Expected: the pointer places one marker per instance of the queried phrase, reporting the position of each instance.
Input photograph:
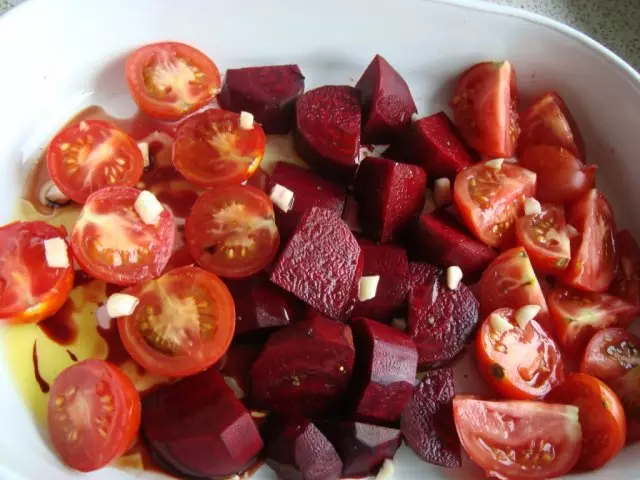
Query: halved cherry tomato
(94, 414)
(544, 237)
(611, 353)
(562, 177)
(232, 232)
(169, 80)
(627, 387)
(602, 418)
(111, 242)
(518, 361)
(30, 290)
(547, 121)
(577, 315)
(489, 200)
(518, 439)
(593, 254)
(212, 149)
(485, 108)
(90, 155)
(627, 281)
(183, 324)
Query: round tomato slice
(94, 414)
(30, 290)
(627, 388)
(518, 360)
(169, 80)
(232, 232)
(518, 439)
(611, 353)
(90, 155)
(489, 200)
(547, 121)
(601, 417)
(211, 148)
(545, 239)
(627, 281)
(593, 256)
(485, 108)
(111, 242)
(577, 315)
(183, 323)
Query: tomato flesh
(627, 281)
(610, 354)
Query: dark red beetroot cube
(362, 447)
(321, 263)
(386, 100)
(390, 262)
(305, 368)
(389, 194)
(309, 190)
(198, 427)
(386, 365)
(421, 273)
(236, 365)
(427, 422)
(327, 131)
(440, 320)
(434, 143)
(269, 93)
(299, 451)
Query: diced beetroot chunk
(309, 190)
(198, 427)
(269, 93)
(321, 263)
(389, 194)
(236, 365)
(386, 100)
(362, 447)
(327, 131)
(422, 273)
(427, 423)
(260, 180)
(386, 365)
(305, 368)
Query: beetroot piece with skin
(422, 273)
(386, 100)
(236, 365)
(427, 422)
(327, 131)
(269, 93)
(321, 264)
(386, 366)
(389, 195)
(305, 368)
(198, 427)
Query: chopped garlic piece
(258, 414)
(367, 287)
(499, 324)
(233, 385)
(571, 231)
(511, 160)
(103, 318)
(496, 163)
(386, 470)
(148, 207)
(56, 253)
(454, 277)
(532, 206)
(527, 313)
(415, 117)
(246, 121)
(399, 324)
(429, 204)
(121, 305)
(442, 192)
(144, 149)
(282, 197)
(50, 193)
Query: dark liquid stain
(117, 354)
(60, 326)
(81, 278)
(72, 355)
(44, 386)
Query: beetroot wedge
(235, 367)
(269, 93)
(389, 194)
(440, 320)
(427, 421)
(321, 263)
(386, 365)
(362, 447)
(386, 100)
(309, 190)
(305, 368)
(327, 131)
(199, 428)
(421, 273)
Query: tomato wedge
(518, 439)
(169, 80)
(577, 315)
(485, 108)
(94, 414)
(627, 388)
(112, 243)
(232, 232)
(518, 360)
(601, 417)
(489, 200)
(611, 353)
(212, 149)
(90, 155)
(545, 239)
(183, 324)
(30, 290)
(627, 281)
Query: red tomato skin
(610, 354)
(627, 281)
